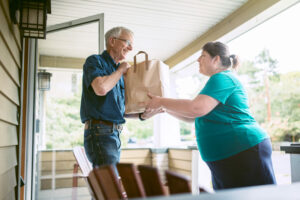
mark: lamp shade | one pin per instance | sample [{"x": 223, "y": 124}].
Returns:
[
  {"x": 33, "y": 17},
  {"x": 44, "y": 80}
]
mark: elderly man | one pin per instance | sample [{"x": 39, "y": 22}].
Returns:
[{"x": 102, "y": 102}]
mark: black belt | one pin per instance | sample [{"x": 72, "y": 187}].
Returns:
[{"x": 97, "y": 121}]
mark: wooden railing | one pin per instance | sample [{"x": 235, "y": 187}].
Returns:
[
  {"x": 56, "y": 167},
  {"x": 180, "y": 161}
]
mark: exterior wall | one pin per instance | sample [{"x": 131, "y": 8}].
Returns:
[{"x": 10, "y": 67}]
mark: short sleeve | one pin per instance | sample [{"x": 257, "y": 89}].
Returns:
[
  {"x": 92, "y": 68},
  {"x": 219, "y": 86}
]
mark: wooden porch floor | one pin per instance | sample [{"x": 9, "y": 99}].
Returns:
[{"x": 81, "y": 193}]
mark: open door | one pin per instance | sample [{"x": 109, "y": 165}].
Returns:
[{"x": 63, "y": 52}]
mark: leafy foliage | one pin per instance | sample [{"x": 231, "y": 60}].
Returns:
[
  {"x": 185, "y": 128},
  {"x": 136, "y": 131},
  {"x": 63, "y": 126},
  {"x": 65, "y": 130},
  {"x": 284, "y": 93}
]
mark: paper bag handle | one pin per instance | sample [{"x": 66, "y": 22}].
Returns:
[{"x": 146, "y": 59}]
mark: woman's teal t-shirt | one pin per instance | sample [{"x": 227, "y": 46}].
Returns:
[{"x": 229, "y": 128}]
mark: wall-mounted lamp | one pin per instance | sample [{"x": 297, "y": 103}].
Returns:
[
  {"x": 44, "y": 80},
  {"x": 33, "y": 16}
]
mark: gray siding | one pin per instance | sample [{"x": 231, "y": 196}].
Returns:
[{"x": 10, "y": 66}]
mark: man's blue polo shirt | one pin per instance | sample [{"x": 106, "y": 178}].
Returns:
[{"x": 110, "y": 107}]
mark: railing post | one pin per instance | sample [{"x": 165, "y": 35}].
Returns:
[{"x": 160, "y": 160}]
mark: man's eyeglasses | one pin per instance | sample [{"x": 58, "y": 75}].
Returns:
[{"x": 128, "y": 43}]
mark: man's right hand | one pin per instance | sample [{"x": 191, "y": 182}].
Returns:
[
  {"x": 124, "y": 66},
  {"x": 103, "y": 84}
]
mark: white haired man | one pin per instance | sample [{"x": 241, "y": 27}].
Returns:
[{"x": 103, "y": 98}]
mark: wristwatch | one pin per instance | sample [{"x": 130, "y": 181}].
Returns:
[{"x": 140, "y": 117}]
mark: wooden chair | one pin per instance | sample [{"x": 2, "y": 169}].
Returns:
[
  {"x": 106, "y": 183},
  {"x": 177, "y": 183},
  {"x": 82, "y": 160},
  {"x": 93, "y": 182},
  {"x": 131, "y": 180},
  {"x": 86, "y": 168},
  {"x": 151, "y": 181}
]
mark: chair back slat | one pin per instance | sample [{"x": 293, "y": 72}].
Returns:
[
  {"x": 151, "y": 181},
  {"x": 85, "y": 166},
  {"x": 82, "y": 160},
  {"x": 108, "y": 181},
  {"x": 131, "y": 180},
  {"x": 94, "y": 186},
  {"x": 177, "y": 183}
]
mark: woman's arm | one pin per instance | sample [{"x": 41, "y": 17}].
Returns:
[
  {"x": 145, "y": 115},
  {"x": 185, "y": 119},
  {"x": 197, "y": 107}
]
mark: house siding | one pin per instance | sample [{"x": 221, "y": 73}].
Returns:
[{"x": 10, "y": 67}]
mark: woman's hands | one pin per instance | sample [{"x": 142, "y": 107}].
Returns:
[
  {"x": 151, "y": 112},
  {"x": 153, "y": 107},
  {"x": 154, "y": 103}
]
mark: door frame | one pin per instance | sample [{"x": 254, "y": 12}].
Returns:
[
  {"x": 83, "y": 21},
  {"x": 28, "y": 110}
]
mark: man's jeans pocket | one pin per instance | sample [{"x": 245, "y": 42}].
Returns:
[
  {"x": 102, "y": 145},
  {"x": 88, "y": 145}
]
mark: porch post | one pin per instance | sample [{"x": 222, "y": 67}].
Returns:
[{"x": 166, "y": 128}]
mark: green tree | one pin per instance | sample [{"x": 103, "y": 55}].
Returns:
[
  {"x": 285, "y": 107},
  {"x": 249, "y": 72},
  {"x": 63, "y": 126},
  {"x": 185, "y": 128},
  {"x": 269, "y": 68},
  {"x": 283, "y": 103},
  {"x": 269, "y": 64},
  {"x": 65, "y": 130},
  {"x": 140, "y": 130}
]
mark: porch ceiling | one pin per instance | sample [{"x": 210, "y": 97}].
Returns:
[{"x": 165, "y": 29}]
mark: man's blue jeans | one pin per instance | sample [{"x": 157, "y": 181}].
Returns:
[{"x": 102, "y": 144}]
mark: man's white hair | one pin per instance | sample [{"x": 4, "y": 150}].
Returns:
[{"x": 116, "y": 32}]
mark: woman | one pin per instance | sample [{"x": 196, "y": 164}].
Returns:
[{"x": 235, "y": 148}]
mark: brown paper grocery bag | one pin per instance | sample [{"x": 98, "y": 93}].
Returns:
[{"x": 150, "y": 76}]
